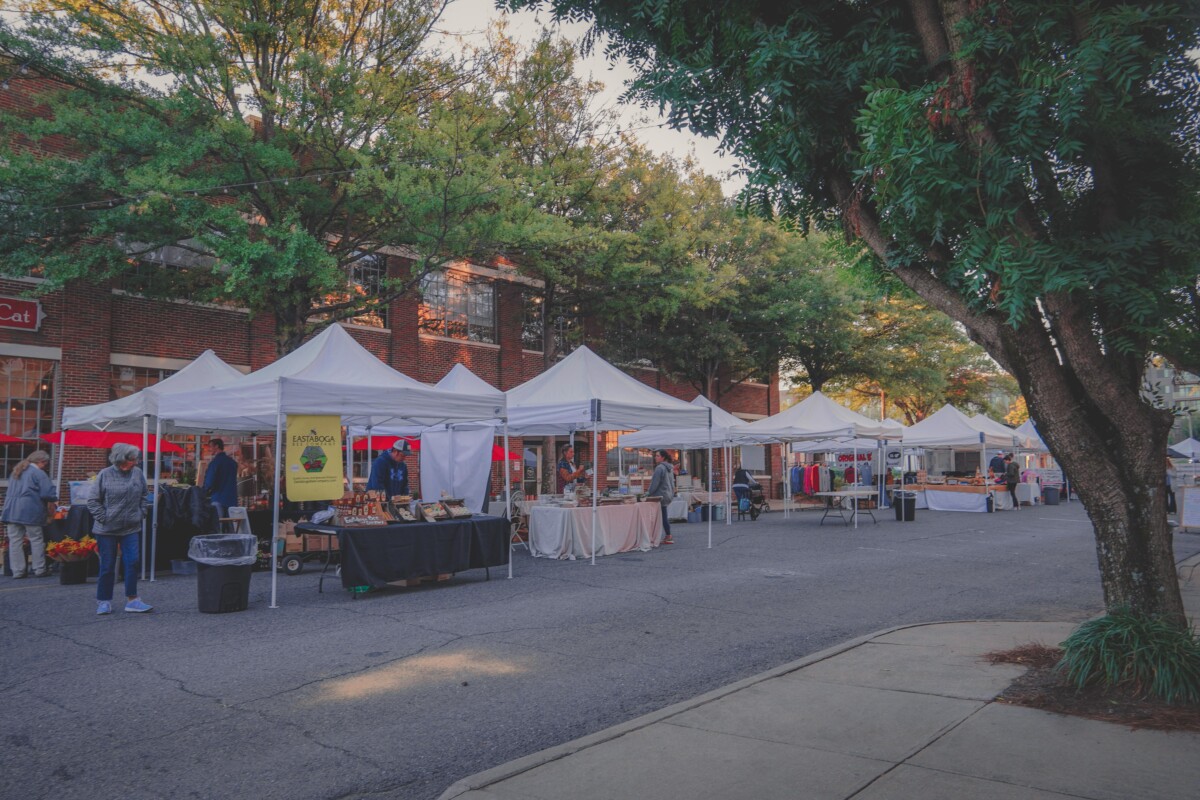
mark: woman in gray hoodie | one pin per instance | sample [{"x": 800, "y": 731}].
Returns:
[
  {"x": 117, "y": 508},
  {"x": 29, "y": 490}
]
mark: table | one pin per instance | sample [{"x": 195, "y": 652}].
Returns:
[
  {"x": 833, "y": 503},
  {"x": 379, "y": 555},
  {"x": 558, "y": 532},
  {"x": 952, "y": 497}
]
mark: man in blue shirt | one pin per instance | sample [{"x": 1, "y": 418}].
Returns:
[
  {"x": 389, "y": 473},
  {"x": 220, "y": 479}
]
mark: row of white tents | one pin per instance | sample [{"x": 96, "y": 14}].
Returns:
[{"x": 332, "y": 374}]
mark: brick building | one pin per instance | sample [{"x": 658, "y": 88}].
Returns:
[{"x": 90, "y": 343}]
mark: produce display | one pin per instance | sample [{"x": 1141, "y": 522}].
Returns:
[{"x": 456, "y": 508}]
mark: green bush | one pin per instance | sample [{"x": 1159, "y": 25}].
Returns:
[{"x": 1149, "y": 655}]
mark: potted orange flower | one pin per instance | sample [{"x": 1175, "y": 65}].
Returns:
[{"x": 73, "y": 555}]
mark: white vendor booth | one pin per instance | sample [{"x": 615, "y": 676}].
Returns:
[
  {"x": 455, "y": 458},
  {"x": 696, "y": 439},
  {"x": 133, "y": 413},
  {"x": 583, "y": 392},
  {"x": 330, "y": 374},
  {"x": 818, "y": 418},
  {"x": 950, "y": 429}
]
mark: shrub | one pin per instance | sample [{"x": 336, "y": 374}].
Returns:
[{"x": 1146, "y": 654}]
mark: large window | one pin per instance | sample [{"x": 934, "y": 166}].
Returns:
[
  {"x": 130, "y": 380},
  {"x": 533, "y": 324},
  {"x": 28, "y": 384},
  {"x": 368, "y": 275},
  {"x": 458, "y": 306}
]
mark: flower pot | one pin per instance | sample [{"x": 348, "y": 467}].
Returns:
[{"x": 72, "y": 572}]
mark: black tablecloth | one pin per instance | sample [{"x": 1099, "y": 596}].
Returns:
[{"x": 376, "y": 556}]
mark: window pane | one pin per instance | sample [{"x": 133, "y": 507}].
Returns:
[
  {"x": 458, "y": 307},
  {"x": 29, "y": 388}
]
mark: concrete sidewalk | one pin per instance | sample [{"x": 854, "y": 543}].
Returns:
[{"x": 905, "y": 713}]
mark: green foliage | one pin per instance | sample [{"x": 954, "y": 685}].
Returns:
[
  {"x": 330, "y": 132},
  {"x": 1147, "y": 654}
]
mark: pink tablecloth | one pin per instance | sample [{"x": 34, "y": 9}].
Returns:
[{"x": 567, "y": 532}]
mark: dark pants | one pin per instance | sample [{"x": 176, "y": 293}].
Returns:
[
  {"x": 107, "y": 546},
  {"x": 1012, "y": 492},
  {"x": 1170, "y": 501},
  {"x": 666, "y": 523}
]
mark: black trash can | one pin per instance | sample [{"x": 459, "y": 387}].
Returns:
[
  {"x": 220, "y": 590},
  {"x": 898, "y": 505},
  {"x": 906, "y": 505},
  {"x": 223, "y": 566},
  {"x": 1050, "y": 495}
]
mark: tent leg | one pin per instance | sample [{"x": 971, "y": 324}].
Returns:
[
  {"x": 727, "y": 456},
  {"x": 350, "y": 460},
  {"x": 145, "y": 461},
  {"x": 275, "y": 513},
  {"x": 508, "y": 499},
  {"x": 154, "y": 510},
  {"x": 595, "y": 483},
  {"x": 710, "y": 487},
  {"x": 58, "y": 485}
]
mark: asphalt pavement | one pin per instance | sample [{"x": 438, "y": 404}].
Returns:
[{"x": 404, "y": 693}]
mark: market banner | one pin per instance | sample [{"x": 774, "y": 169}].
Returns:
[{"x": 313, "y": 447}]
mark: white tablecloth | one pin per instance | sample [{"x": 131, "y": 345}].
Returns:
[
  {"x": 955, "y": 501},
  {"x": 567, "y": 532}
]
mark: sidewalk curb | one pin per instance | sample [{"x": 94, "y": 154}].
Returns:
[
  {"x": 510, "y": 769},
  {"x": 481, "y": 780}
]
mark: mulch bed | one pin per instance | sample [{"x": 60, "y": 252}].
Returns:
[{"x": 1043, "y": 687}]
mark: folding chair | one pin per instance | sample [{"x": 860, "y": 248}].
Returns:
[
  {"x": 238, "y": 521},
  {"x": 519, "y": 525}
]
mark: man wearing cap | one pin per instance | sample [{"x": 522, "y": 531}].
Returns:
[{"x": 389, "y": 473}]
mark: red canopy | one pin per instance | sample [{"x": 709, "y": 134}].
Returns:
[
  {"x": 101, "y": 439},
  {"x": 6, "y": 439},
  {"x": 385, "y": 442}
]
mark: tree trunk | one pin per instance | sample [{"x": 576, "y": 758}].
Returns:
[{"x": 1116, "y": 465}]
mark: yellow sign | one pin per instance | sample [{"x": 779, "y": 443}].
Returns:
[{"x": 313, "y": 456}]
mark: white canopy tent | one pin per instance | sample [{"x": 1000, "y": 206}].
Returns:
[
  {"x": 948, "y": 427},
  {"x": 330, "y": 374},
  {"x": 1029, "y": 431},
  {"x": 989, "y": 425},
  {"x": 697, "y": 439},
  {"x": 585, "y": 392},
  {"x": 133, "y": 413},
  {"x": 1188, "y": 448},
  {"x": 817, "y": 417}
]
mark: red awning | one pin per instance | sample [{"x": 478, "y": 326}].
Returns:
[
  {"x": 102, "y": 439},
  {"x": 6, "y": 439}
]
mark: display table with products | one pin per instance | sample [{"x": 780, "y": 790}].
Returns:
[
  {"x": 377, "y": 556},
  {"x": 952, "y": 497},
  {"x": 557, "y": 532}
]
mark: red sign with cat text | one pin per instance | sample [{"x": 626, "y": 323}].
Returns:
[{"x": 25, "y": 315}]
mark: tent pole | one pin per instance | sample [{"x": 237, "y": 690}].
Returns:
[
  {"x": 508, "y": 498},
  {"x": 728, "y": 456},
  {"x": 154, "y": 510},
  {"x": 595, "y": 483},
  {"x": 62, "y": 446},
  {"x": 276, "y": 504},
  {"x": 350, "y": 460},
  {"x": 145, "y": 461},
  {"x": 854, "y": 499},
  {"x": 712, "y": 507}
]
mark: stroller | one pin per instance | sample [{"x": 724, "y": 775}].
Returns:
[{"x": 752, "y": 501}]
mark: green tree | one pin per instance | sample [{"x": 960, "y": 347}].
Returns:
[
  {"x": 330, "y": 130},
  {"x": 918, "y": 360},
  {"x": 1027, "y": 167}
]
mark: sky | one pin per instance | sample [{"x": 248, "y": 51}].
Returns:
[{"x": 469, "y": 18}]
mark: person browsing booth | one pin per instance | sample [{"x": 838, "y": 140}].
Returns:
[
  {"x": 389, "y": 473},
  {"x": 220, "y": 479}
]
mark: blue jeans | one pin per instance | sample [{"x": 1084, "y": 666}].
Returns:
[
  {"x": 107, "y": 546},
  {"x": 666, "y": 524}
]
